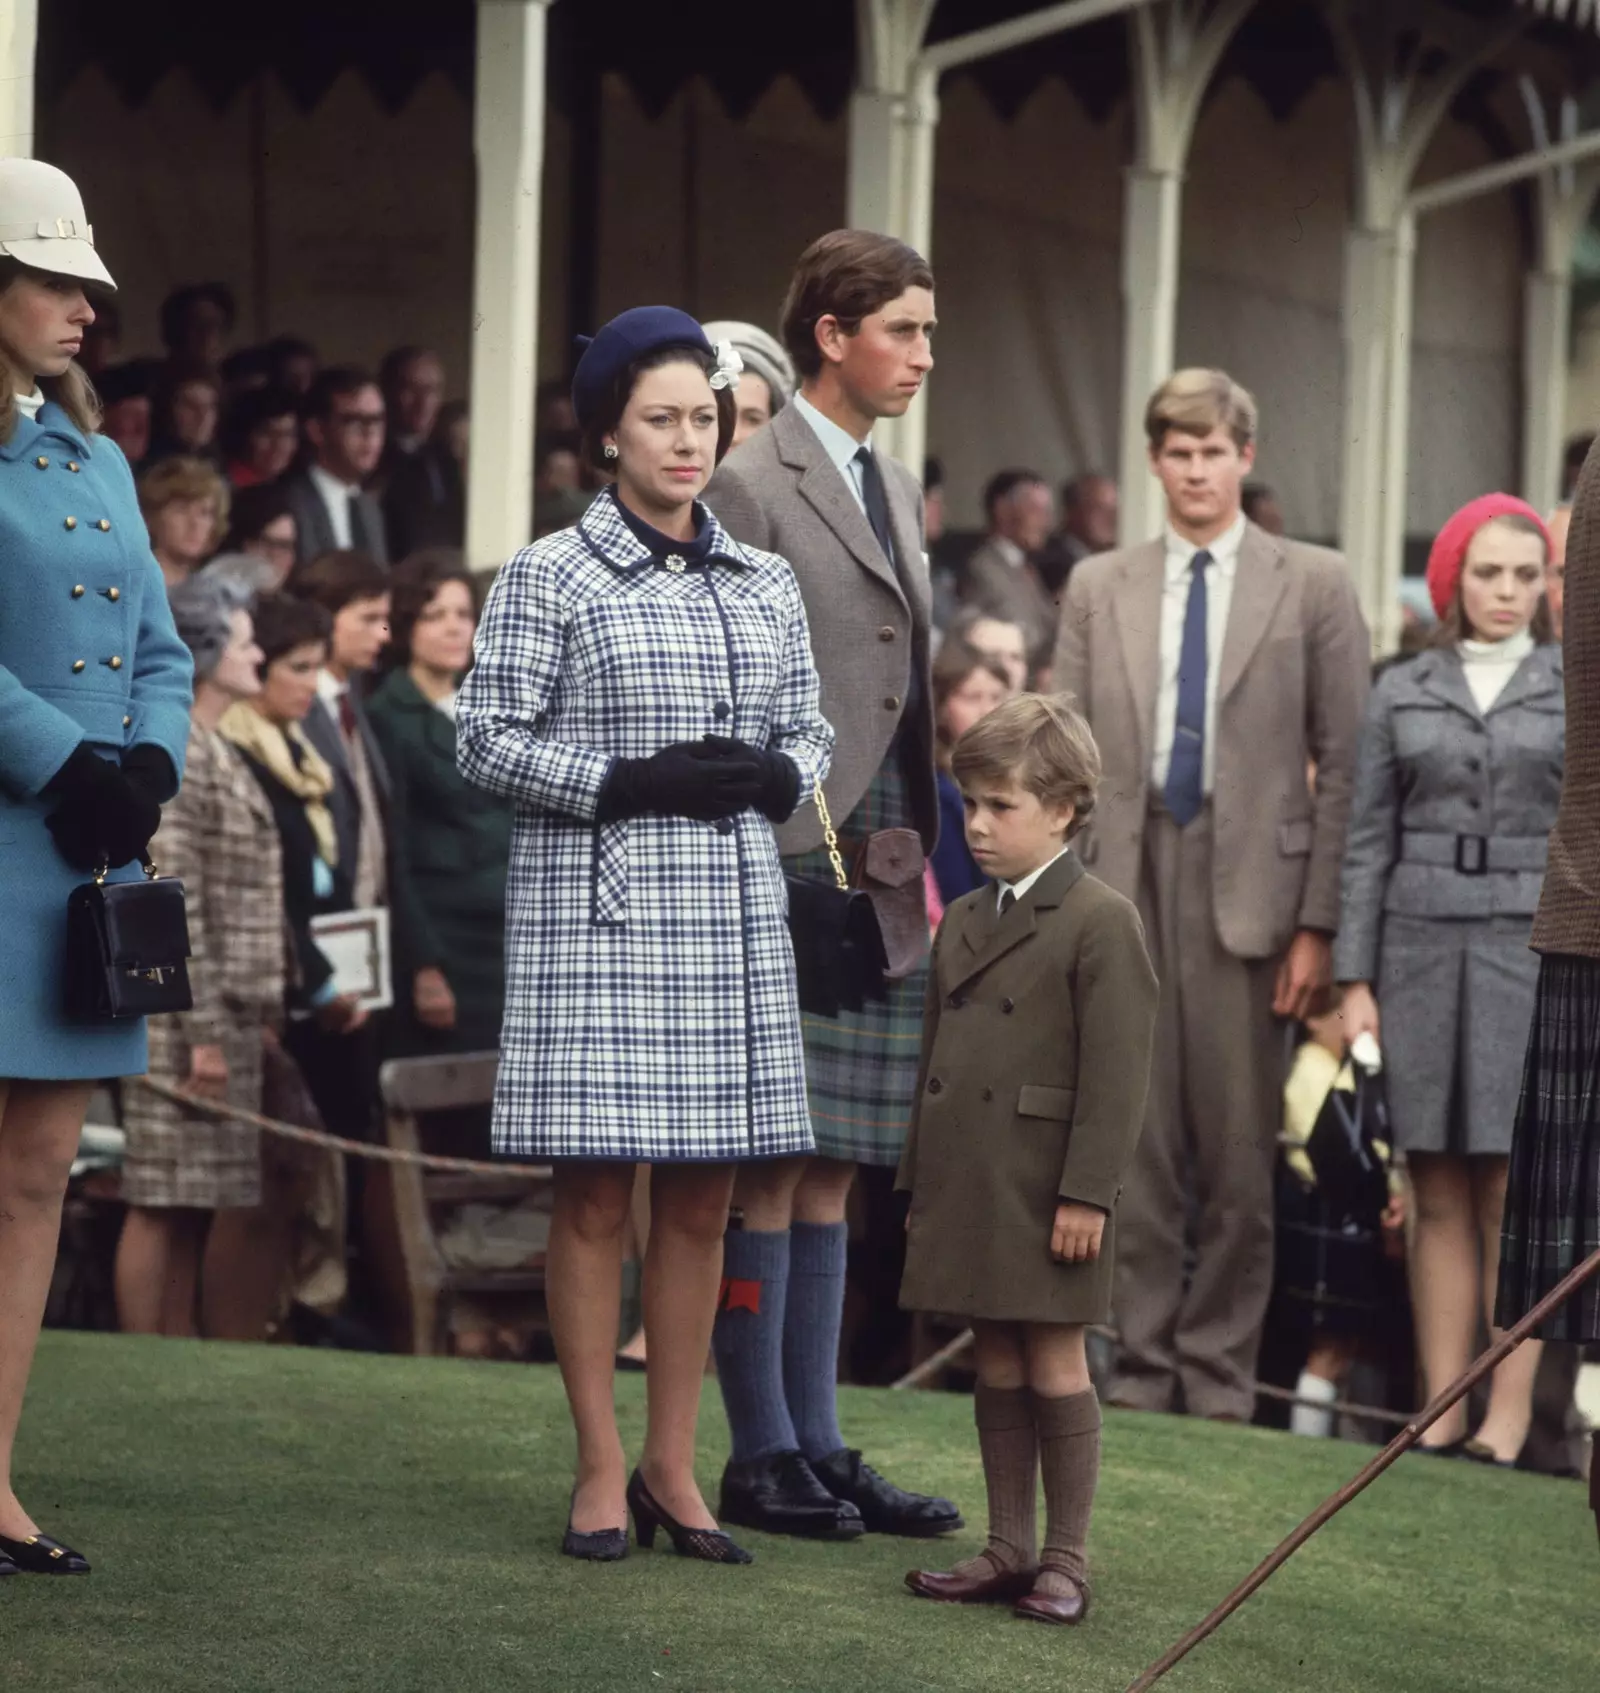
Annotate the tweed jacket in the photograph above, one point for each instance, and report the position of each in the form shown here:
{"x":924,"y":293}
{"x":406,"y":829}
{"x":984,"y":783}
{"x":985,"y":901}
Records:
{"x":869,"y":626}
{"x":1015,"y":594}
{"x":1035,"y":1059}
{"x":88,"y":655}
{"x":220,"y":838}
{"x":1290,"y":692}
{"x":651,"y":1010}
{"x":1453,"y":807}
{"x":1569,"y":906}
{"x":313,"y":529}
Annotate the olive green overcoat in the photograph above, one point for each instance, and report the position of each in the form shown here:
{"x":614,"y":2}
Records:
{"x":1035,"y":1060}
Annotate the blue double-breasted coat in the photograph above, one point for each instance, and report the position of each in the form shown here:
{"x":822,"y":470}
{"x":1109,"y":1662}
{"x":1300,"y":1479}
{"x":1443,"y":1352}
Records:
{"x":88,"y":652}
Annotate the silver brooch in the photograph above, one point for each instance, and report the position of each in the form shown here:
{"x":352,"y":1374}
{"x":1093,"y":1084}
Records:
{"x":675,"y":564}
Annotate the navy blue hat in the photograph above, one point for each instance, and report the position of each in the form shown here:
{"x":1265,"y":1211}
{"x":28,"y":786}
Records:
{"x":629,"y":336}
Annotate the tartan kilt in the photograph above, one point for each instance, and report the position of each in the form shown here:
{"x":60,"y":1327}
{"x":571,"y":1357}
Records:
{"x":1552,"y":1214}
{"x":861,"y":1066}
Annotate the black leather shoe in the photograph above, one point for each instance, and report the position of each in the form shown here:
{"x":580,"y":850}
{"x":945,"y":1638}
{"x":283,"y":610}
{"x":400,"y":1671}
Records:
{"x":781,"y":1495}
{"x":884,"y":1508}
{"x":40,"y":1555}
{"x":8,"y":1568}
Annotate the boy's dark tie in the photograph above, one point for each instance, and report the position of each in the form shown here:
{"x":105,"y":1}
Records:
{"x":1007,"y":900}
{"x":1185,"y":771}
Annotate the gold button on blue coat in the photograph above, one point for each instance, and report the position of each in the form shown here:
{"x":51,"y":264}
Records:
{"x":77,"y":669}
{"x":103,"y":525}
{"x":78,"y":592}
{"x":113,"y":594}
{"x":71,"y":523}
{"x":73,"y":466}
{"x":42,"y":462}
{"x":114,"y":662}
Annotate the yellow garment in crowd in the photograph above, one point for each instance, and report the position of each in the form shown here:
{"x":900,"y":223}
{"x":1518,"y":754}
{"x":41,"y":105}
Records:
{"x":1315,"y":1073}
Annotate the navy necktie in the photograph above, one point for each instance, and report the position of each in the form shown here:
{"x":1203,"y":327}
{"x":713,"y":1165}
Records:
{"x":876,"y":501}
{"x":1185,"y":791}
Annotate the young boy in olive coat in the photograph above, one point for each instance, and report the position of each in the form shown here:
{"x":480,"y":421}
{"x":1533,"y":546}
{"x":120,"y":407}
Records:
{"x":1035,"y":1059}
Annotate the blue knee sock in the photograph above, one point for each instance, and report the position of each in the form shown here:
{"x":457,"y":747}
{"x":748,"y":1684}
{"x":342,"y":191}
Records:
{"x":748,"y":1342}
{"x":811,"y":1334}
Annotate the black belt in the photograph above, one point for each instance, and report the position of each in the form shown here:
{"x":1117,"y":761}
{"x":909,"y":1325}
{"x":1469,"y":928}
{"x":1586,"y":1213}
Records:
{"x":1475,"y":855}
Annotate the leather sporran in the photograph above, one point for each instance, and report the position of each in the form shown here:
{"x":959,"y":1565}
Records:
{"x":890,"y":868}
{"x":127,"y":949}
{"x":839,"y":957}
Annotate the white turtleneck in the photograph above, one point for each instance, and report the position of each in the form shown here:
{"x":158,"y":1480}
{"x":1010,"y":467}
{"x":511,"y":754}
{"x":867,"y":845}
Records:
{"x":29,"y":404}
{"x":1489,"y":665}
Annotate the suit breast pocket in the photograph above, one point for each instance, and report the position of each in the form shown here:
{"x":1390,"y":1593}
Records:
{"x":1050,"y":1105}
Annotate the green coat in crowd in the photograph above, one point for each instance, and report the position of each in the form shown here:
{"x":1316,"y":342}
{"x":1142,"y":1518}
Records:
{"x":448,"y":847}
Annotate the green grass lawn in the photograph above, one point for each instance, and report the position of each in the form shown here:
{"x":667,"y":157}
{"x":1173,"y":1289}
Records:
{"x":299,"y":1521}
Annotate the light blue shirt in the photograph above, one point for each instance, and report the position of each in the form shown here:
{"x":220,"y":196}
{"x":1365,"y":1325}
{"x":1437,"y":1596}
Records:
{"x":839,"y":444}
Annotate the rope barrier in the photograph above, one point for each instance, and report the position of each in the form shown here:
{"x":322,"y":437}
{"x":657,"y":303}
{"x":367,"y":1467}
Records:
{"x":221,"y":1110}
{"x":1402,"y":1443}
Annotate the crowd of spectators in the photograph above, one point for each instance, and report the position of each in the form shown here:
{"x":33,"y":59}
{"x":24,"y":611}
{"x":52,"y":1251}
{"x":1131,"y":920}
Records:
{"x":309,"y":519}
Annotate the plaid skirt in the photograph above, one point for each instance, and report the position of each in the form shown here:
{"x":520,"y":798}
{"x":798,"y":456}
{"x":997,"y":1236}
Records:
{"x":1552,"y":1215}
{"x":861,"y":1066}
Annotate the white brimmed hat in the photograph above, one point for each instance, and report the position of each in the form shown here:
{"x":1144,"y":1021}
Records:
{"x":43,"y":224}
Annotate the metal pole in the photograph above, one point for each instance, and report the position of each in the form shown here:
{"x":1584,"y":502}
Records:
{"x":1473,"y":183}
{"x":508,"y":128}
{"x":1018,"y":32}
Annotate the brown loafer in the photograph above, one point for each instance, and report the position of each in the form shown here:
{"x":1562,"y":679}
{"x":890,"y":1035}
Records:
{"x":1051,"y":1607}
{"x":1005,"y":1587}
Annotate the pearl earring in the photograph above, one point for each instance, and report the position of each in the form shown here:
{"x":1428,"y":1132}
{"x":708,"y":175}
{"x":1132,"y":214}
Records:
{"x":611,"y":449}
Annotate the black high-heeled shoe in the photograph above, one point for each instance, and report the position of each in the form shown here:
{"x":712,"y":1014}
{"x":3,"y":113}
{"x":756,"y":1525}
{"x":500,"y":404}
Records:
{"x":8,"y":1568}
{"x":709,"y":1545}
{"x":40,"y":1555}
{"x":602,"y":1546}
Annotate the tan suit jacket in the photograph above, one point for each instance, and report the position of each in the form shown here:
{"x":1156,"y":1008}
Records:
{"x":1291,"y":692}
{"x":1014,"y":594}
{"x":781,"y":492}
{"x":1036,"y":1046}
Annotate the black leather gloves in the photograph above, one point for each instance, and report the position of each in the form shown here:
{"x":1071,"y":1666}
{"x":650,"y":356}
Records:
{"x":102,"y":816}
{"x":703,"y":780}
{"x":151,"y":772}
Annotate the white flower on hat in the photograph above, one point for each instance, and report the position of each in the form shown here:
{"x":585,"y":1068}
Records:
{"x":729,"y":366}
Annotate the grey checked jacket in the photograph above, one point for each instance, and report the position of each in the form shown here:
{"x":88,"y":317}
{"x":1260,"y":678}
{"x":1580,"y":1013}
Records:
{"x":1453,"y":808}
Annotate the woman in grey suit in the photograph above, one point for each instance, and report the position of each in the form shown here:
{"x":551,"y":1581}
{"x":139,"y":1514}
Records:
{"x":1457,"y":785}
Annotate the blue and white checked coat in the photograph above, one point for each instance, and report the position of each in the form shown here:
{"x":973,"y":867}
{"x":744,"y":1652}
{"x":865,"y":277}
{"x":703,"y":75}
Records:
{"x":650,"y":997}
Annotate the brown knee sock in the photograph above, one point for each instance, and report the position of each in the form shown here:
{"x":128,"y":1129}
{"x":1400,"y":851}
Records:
{"x":1010,"y":1449}
{"x":1069,"y":1455}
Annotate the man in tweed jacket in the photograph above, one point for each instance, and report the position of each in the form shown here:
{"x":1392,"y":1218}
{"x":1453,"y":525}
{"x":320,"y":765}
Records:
{"x":857,"y":324}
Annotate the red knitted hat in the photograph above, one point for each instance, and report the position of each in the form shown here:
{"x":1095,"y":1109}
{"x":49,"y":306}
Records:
{"x":1449,"y":550}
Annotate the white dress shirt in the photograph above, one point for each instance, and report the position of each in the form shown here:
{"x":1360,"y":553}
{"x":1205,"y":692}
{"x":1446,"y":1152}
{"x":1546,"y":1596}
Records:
{"x":336,"y":496}
{"x":1023,"y":883}
{"x":839,"y":444}
{"x":1174,"y":608}
{"x":1009,"y":551}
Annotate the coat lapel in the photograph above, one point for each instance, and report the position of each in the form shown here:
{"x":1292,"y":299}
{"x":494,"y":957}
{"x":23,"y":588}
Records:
{"x":1258,"y":585}
{"x":1540,"y":674}
{"x":1440,"y":674}
{"x":988,"y":937}
{"x":822,"y":487}
{"x":1136,"y":608}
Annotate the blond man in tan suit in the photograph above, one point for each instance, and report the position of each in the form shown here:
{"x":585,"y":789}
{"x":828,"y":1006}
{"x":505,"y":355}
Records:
{"x":1215,"y":665}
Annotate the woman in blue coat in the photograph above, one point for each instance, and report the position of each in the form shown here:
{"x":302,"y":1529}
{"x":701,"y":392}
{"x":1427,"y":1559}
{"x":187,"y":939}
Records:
{"x":644,"y":692}
{"x":94,"y":717}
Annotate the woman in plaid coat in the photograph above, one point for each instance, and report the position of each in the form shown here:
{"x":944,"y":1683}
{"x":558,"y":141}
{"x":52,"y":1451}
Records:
{"x":644,"y":691}
{"x":218,"y":837}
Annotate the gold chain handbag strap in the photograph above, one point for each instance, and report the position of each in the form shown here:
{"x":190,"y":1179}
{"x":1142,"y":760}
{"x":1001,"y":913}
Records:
{"x":832,"y":839}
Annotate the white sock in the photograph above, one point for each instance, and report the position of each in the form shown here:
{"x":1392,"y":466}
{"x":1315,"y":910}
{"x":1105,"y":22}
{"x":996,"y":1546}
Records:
{"x":1314,"y":1420}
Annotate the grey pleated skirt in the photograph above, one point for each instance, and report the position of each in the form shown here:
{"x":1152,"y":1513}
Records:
{"x":1456,"y":999}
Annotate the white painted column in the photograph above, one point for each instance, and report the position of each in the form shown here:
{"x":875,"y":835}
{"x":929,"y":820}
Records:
{"x":874,"y":160}
{"x":917,"y":122}
{"x":508,"y":137}
{"x":1399,"y":274}
{"x":1152,"y":213}
{"x":1547,"y":320}
{"x":1368,"y":281}
{"x":19,"y":39}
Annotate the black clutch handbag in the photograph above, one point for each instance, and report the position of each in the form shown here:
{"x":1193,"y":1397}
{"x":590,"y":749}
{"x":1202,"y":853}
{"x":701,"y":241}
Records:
{"x":127,"y":949}
{"x":1348,"y":1149}
{"x":840,"y":961}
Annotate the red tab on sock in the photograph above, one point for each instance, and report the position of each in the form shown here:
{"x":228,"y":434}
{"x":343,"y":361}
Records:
{"x":740,"y":1296}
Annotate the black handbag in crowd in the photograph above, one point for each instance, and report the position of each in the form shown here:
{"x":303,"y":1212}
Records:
{"x":839,"y":956}
{"x":1349,"y":1150}
{"x":127,"y":949}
